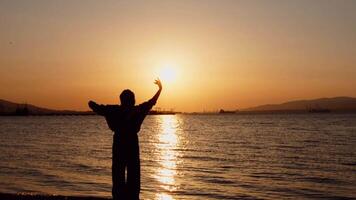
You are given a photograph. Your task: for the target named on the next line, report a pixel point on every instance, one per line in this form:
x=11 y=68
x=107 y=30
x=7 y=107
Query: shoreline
x=36 y=196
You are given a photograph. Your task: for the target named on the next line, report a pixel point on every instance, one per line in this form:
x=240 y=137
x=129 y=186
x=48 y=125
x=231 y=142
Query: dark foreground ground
x=5 y=196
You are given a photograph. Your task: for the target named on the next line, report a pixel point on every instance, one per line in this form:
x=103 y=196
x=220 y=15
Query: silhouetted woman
x=125 y=120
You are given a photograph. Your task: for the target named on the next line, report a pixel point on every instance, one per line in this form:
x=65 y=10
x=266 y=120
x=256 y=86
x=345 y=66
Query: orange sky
x=227 y=54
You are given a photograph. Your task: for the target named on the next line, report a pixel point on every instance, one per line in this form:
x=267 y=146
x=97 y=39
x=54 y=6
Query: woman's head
x=127 y=98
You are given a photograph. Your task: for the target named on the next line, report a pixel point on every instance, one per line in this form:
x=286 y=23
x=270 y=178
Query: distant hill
x=11 y=108
x=333 y=104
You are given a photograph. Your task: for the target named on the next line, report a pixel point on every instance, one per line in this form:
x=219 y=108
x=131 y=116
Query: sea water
x=286 y=156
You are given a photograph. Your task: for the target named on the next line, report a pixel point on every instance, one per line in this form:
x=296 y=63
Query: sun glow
x=168 y=73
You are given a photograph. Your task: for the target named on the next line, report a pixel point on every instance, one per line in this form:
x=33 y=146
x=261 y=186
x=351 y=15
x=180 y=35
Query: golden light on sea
x=163 y=196
x=168 y=141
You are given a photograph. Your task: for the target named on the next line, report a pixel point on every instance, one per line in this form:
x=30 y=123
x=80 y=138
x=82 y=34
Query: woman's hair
x=127 y=98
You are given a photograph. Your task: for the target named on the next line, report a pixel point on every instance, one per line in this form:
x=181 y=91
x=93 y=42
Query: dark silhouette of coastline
x=8 y=108
x=125 y=121
x=319 y=110
x=322 y=105
x=7 y=196
x=155 y=112
x=222 y=111
x=22 y=111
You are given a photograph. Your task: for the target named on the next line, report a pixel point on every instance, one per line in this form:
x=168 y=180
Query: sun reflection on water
x=166 y=146
x=163 y=196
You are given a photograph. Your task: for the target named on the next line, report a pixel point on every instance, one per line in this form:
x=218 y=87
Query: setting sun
x=168 y=73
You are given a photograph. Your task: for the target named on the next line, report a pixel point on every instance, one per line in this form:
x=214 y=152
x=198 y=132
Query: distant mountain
x=11 y=108
x=331 y=104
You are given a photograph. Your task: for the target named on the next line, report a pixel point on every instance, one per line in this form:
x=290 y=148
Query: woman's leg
x=118 y=172
x=133 y=171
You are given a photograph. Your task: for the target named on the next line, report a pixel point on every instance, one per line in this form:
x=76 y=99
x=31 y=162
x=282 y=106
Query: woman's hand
x=158 y=83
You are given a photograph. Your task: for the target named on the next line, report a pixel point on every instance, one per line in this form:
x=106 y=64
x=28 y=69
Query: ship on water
x=317 y=109
x=222 y=111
